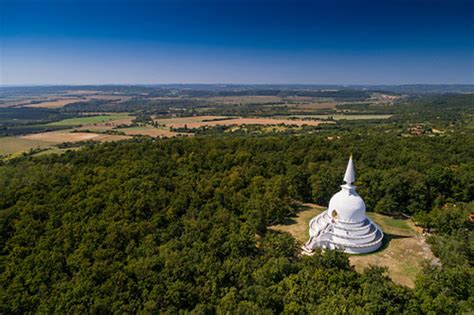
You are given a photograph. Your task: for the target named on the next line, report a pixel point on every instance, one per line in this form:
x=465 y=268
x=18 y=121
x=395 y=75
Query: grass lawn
x=403 y=252
x=88 y=120
x=390 y=222
x=298 y=226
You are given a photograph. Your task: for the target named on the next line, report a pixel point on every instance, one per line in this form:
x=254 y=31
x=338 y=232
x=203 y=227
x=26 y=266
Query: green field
x=88 y=120
x=141 y=128
x=14 y=145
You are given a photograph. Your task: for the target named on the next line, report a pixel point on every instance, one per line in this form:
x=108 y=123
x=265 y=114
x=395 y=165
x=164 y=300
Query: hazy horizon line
x=230 y=84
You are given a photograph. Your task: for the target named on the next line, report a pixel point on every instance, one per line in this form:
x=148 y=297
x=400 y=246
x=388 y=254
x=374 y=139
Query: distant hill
x=243 y=89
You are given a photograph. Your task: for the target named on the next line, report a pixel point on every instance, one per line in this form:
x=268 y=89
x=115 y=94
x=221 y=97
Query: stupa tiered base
x=344 y=225
x=354 y=238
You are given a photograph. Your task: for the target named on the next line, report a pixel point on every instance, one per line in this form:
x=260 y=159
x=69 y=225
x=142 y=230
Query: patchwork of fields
x=201 y=121
x=119 y=126
x=61 y=99
x=90 y=120
x=56 y=103
x=47 y=140
x=343 y=117
x=250 y=99
x=151 y=132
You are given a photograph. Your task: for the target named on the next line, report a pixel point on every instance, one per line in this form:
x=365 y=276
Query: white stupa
x=344 y=224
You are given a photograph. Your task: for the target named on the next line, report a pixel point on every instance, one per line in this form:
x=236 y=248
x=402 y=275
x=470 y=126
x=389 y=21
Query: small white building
x=344 y=224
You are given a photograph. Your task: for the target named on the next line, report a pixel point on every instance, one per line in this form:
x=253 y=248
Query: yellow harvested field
x=108 y=138
x=245 y=99
x=152 y=132
x=200 y=121
x=62 y=136
x=299 y=98
x=108 y=125
x=11 y=103
x=403 y=252
x=309 y=106
x=267 y=121
x=56 y=103
x=15 y=145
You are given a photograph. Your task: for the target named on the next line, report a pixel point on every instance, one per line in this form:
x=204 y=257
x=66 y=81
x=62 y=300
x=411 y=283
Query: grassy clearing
x=276 y=128
x=298 y=226
x=403 y=253
x=88 y=120
x=391 y=222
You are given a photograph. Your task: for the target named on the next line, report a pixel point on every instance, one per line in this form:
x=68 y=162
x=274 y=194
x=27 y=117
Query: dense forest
x=180 y=224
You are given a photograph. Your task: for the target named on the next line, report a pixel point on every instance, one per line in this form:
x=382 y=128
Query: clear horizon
x=236 y=42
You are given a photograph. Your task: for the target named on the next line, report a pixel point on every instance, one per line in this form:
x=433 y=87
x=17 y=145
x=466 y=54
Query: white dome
x=350 y=207
x=344 y=225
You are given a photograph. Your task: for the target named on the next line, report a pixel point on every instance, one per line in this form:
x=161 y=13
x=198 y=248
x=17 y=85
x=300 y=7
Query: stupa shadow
x=387 y=238
x=396 y=236
x=288 y=221
x=297 y=212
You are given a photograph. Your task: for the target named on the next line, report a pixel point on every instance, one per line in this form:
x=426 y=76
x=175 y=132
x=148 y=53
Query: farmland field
x=88 y=120
x=14 y=145
x=150 y=131
x=107 y=125
x=58 y=101
x=344 y=117
x=312 y=106
x=61 y=136
x=200 y=121
x=251 y=99
x=55 y=103
x=188 y=120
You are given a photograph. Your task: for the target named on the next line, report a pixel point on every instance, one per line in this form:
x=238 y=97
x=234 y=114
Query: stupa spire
x=349 y=176
x=344 y=225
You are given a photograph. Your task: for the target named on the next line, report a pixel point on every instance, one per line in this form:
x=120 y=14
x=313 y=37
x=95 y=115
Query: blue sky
x=230 y=41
